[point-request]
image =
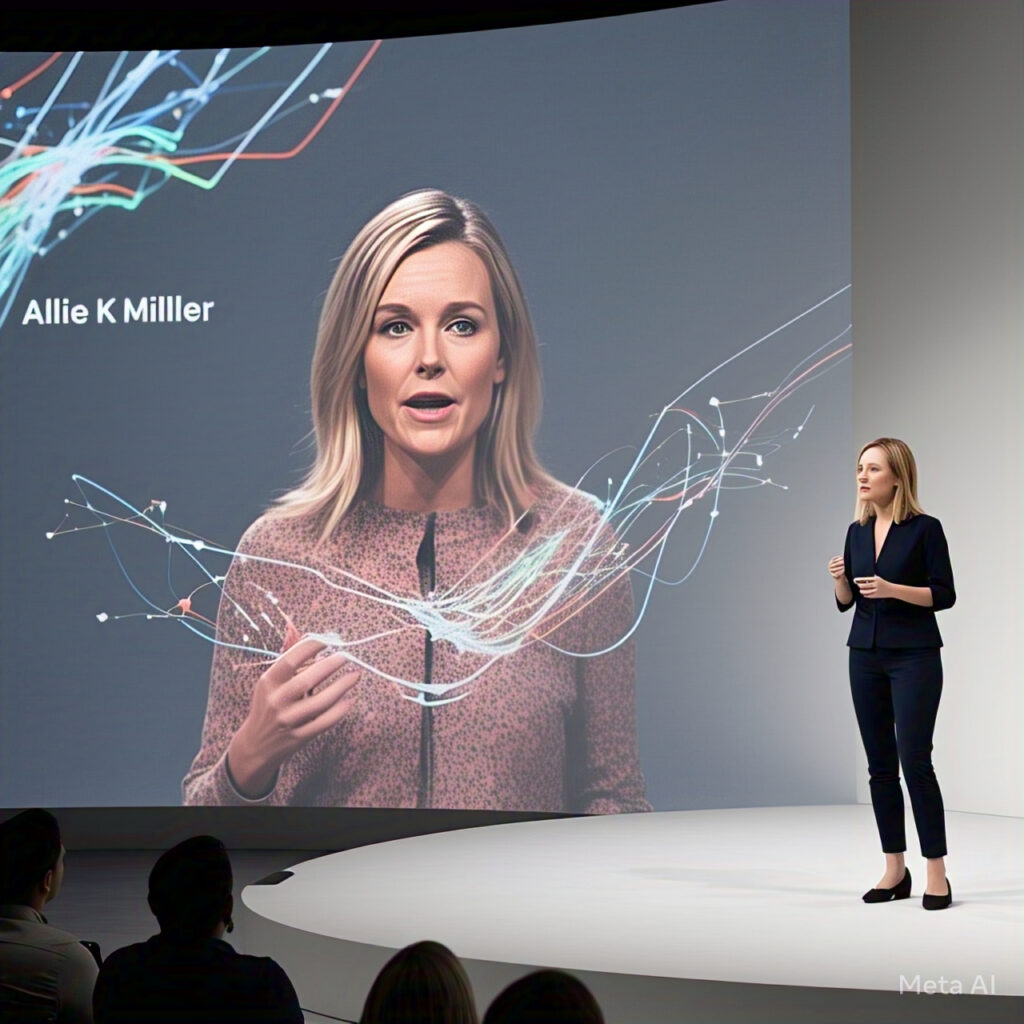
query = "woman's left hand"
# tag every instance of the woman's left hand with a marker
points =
(874, 586)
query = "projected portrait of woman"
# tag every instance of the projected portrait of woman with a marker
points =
(425, 398)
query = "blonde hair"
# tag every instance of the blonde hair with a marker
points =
(904, 468)
(349, 444)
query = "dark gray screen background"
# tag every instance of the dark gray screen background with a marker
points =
(670, 186)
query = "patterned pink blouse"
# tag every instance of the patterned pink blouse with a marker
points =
(539, 729)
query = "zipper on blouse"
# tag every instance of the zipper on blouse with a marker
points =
(425, 565)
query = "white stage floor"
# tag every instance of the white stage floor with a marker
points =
(754, 898)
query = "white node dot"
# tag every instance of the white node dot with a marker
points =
(102, 617)
(49, 534)
(713, 402)
(714, 513)
(198, 545)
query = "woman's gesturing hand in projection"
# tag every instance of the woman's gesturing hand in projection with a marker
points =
(287, 711)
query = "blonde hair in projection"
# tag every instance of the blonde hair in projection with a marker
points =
(349, 444)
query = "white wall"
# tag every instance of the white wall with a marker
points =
(938, 313)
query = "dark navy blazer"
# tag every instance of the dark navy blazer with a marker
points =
(915, 554)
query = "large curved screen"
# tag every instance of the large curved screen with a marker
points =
(652, 628)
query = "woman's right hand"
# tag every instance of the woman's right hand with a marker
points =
(286, 713)
(844, 592)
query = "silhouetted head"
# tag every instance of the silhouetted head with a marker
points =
(31, 858)
(421, 984)
(190, 889)
(545, 997)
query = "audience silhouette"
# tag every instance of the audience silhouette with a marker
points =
(545, 997)
(421, 984)
(45, 973)
(188, 972)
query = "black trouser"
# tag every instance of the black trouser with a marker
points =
(896, 696)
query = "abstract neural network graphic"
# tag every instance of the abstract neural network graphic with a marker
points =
(83, 134)
(656, 519)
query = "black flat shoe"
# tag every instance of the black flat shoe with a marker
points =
(900, 891)
(930, 902)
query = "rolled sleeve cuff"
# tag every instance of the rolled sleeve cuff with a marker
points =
(218, 789)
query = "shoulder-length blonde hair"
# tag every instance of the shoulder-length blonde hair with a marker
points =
(349, 444)
(904, 468)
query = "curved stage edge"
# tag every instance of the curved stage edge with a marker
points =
(724, 915)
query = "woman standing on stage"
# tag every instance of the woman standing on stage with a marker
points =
(895, 569)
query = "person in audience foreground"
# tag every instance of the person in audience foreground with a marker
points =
(545, 997)
(45, 973)
(188, 972)
(421, 984)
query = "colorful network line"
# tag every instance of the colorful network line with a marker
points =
(698, 447)
(70, 155)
